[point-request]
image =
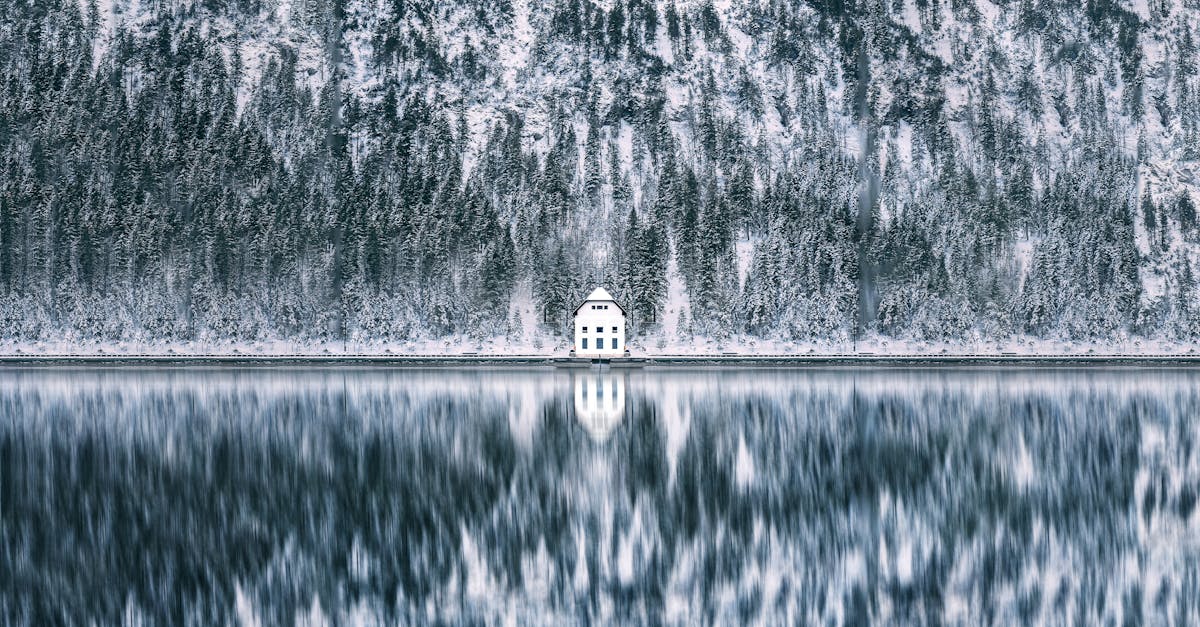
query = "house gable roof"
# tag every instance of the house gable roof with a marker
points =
(599, 294)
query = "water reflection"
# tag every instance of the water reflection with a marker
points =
(600, 401)
(472, 496)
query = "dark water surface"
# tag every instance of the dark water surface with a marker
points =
(341, 496)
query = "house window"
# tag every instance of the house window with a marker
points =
(584, 345)
(585, 329)
(599, 343)
(614, 329)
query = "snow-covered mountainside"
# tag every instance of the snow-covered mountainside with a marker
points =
(320, 171)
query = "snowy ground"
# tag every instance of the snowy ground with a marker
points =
(540, 344)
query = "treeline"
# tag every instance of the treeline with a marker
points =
(167, 181)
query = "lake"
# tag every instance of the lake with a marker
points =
(267, 496)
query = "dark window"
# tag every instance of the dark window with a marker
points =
(585, 329)
(614, 329)
(584, 345)
(599, 343)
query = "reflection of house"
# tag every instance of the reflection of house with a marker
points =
(600, 403)
(599, 326)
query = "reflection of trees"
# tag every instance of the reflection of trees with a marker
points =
(93, 519)
(333, 497)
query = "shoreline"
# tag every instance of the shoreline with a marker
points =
(1190, 360)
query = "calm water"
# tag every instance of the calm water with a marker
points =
(260, 496)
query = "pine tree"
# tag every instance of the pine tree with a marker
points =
(1185, 212)
(1149, 216)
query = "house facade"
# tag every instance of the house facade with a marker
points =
(599, 326)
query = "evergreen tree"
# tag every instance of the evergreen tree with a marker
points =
(1149, 216)
(1185, 212)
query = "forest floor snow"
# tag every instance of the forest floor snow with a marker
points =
(541, 344)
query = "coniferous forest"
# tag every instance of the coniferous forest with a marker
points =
(804, 170)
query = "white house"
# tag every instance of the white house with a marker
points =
(599, 326)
